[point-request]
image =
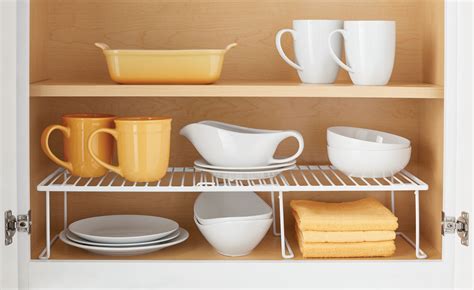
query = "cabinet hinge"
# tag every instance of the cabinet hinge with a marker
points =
(451, 225)
(13, 224)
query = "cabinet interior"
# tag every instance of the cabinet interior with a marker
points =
(61, 49)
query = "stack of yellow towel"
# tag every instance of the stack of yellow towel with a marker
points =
(363, 228)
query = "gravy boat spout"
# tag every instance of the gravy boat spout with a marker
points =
(224, 144)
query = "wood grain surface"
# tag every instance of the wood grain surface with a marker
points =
(74, 26)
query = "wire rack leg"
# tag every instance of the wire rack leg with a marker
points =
(65, 211)
(46, 253)
(392, 201)
(419, 253)
(47, 250)
(284, 243)
(275, 232)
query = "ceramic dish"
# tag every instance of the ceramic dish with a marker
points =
(246, 175)
(119, 229)
(218, 207)
(364, 139)
(235, 238)
(203, 164)
(80, 240)
(140, 66)
(227, 145)
(127, 251)
(373, 163)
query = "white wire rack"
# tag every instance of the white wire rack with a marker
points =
(187, 179)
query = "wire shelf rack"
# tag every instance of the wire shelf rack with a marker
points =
(188, 179)
(314, 178)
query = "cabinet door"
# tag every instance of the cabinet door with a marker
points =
(13, 137)
(459, 125)
(8, 254)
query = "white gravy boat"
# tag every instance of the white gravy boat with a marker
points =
(228, 145)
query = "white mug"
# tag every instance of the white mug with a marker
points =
(314, 64)
(370, 51)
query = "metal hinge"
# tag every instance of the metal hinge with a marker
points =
(451, 225)
(13, 224)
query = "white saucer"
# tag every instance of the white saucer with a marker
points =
(204, 164)
(71, 236)
(127, 251)
(245, 175)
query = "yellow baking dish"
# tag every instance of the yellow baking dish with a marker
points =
(140, 66)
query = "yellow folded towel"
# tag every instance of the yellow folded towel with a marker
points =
(367, 214)
(346, 237)
(346, 250)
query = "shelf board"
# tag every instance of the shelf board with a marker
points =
(50, 88)
(197, 248)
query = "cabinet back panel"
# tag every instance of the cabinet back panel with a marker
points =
(74, 26)
(308, 115)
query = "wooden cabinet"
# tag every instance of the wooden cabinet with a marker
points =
(68, 74)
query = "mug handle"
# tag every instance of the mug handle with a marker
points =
(280, 49)
(110, 167)
(300, 140)
(45, 145)
(333, 54)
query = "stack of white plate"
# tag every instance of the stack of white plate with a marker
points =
(234, 223)
(244, 173)
(124, 235)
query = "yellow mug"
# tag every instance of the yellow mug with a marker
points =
(76, 129)
(143, 147)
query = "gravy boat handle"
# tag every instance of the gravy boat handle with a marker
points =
(299, 138)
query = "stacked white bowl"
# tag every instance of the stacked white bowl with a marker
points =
(362, 152)
(234, 223)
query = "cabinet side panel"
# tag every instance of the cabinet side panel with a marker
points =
(432, 120)
(430, 169)
(38, 40)
(433, 41)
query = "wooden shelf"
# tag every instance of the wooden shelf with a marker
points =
(51, 88)
(197, 248)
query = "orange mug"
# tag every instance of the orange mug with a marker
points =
(76, 129)
(143, 147)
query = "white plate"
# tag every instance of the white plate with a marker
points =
(120, 229)
(245, 175)
(127, 251)
(80, 240)
(204, 164)
(218, 207)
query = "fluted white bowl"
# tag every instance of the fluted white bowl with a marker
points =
(364, 139)
(235, 238)
(369, 163)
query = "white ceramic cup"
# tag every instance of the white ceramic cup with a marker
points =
(314, 64)
(370, 51)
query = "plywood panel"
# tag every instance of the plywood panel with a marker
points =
(431, 168)
(310, 116)
(53, 88)
(433, 41)
(38, 40)
(75, 25)
(197, 248)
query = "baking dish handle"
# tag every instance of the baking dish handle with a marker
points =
(102, 45)
(232, 45)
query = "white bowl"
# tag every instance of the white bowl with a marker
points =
(369, 163)
(235, 238)
(364, 139)
(218, 207)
